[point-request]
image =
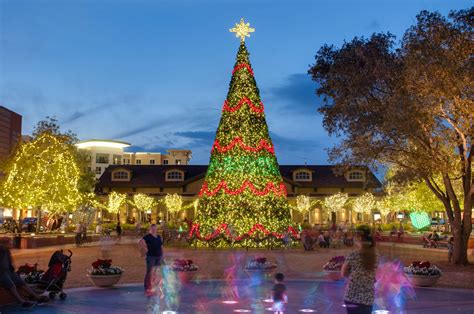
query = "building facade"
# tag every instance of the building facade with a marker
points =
(103, 153)
(314, 181)
(10, 131)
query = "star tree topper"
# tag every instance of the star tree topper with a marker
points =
(242, 30)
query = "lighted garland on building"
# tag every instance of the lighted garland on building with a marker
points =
(243, 188)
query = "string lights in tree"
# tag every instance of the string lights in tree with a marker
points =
(364, 203)
(43, 174)
(335, 203)
(174, 202)
(243, 188)
(115, 202)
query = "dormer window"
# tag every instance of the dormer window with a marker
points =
(174, 175)
(356, 176)
(302, 175)
(120, 175)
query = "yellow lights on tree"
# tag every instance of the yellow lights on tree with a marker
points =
(174, 203)
(115, 201)
(43, 174)
(143, 202)
(335, 203)
(364, 203)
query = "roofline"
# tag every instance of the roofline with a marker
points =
(104, 143)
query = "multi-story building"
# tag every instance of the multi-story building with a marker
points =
(314, 181)
(10, 131)
(104, 153)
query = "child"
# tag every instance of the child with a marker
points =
(450, 249)
(279, 296)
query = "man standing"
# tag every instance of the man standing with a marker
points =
(152, 245)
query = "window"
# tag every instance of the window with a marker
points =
(356, 176)
(117, 160)
(178, 162)
(126, 161)
(98, 170)
(120, 175)
(174, 176)
(302, 176)
(138, 161)
(102, 158)
(152, 161)
(165, 161)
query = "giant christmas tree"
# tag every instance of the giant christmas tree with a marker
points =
(243, 198)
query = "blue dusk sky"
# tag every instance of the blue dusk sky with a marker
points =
(156, 73)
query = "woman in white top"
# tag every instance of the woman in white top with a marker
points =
(360, 267)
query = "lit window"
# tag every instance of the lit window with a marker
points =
(165, 161)
(139, 161)
(120, 175)
(302, 176)
(102, 158)
(152, 161)
(174, 176)
(178, 161)
(98, 170)
(356, 176)
(117, 159)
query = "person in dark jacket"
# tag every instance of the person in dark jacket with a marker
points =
(153, 246)
(119, 230)
(11, 280)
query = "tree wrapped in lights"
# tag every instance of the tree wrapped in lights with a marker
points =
(143, 202)
(43, 174)
(364, 203)
(173, 203)
(335, 203)
(243, 188)
(115, 202)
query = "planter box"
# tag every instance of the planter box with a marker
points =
(423, 281)
(186, 276)
(104, 280)
(333, 275)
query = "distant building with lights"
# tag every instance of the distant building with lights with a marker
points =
(104, 153)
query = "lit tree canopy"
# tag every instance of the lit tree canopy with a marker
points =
(364, 203)
(408, 105)
(43, 174)
(115, 201)
(303, 204)
(335, 202)
(143, 202)
(173, 202)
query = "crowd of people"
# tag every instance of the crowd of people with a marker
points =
(336, 237)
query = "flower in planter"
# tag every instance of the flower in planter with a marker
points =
(183, 265)
(259, 263)
(30, 274)
(422, 268)
(335, 263)
(104, 267)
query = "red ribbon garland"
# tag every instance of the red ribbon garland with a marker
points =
(223, 228)
(237, 140)
(270, 187)
(244, 100)
(241, 66)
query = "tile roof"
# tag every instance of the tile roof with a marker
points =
(154, 176)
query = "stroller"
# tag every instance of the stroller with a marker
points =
(53, 279)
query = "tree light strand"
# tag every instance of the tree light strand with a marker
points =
(243, 101)
(270, 187)
(263, 144)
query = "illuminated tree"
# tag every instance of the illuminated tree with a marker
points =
(43, 174)
(115, 202)
(364, 203)
(335, 203)
(408, 104)
(143, 202)
(243, 185)
(173, 203)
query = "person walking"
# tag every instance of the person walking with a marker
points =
(118, 229)
(360, 267)
(151, 245)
